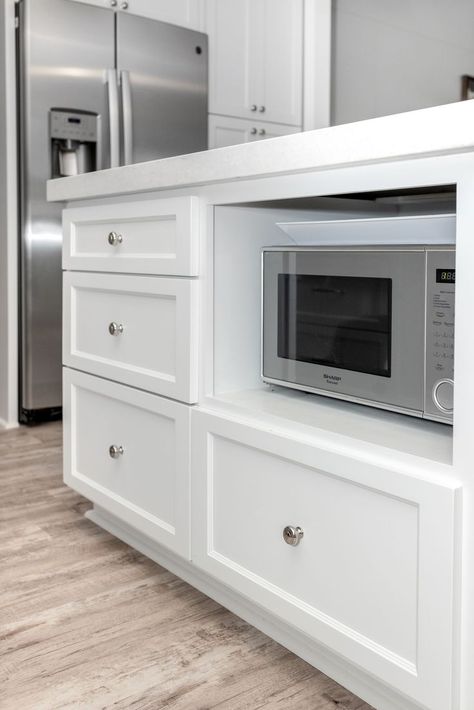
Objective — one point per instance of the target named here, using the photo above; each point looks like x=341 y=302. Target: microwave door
x=347 y=323
x=339 y=321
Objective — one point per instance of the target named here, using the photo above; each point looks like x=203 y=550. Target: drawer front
x=152 y=237
x=371 y=577
x=138 y=330
x=145 y=480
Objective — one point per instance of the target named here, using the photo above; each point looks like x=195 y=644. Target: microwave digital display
x=445 y=276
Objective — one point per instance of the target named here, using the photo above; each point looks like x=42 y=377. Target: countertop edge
x=438 y=130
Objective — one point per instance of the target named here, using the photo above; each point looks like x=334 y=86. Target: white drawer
x=151 y=237
x=156 y=326
x=372 y=578
x=146 y=486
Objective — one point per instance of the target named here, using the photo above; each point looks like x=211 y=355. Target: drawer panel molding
x=148 y=237
x=362 y=580
x=137 y=330
x=128 y=452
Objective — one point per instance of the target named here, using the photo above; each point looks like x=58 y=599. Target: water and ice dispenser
x=74 y=142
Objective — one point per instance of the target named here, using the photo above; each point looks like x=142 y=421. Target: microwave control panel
x=439 y=366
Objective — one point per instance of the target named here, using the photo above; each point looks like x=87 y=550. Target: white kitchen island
x=188 y=457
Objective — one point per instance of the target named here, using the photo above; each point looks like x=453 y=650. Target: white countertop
x=437 y=130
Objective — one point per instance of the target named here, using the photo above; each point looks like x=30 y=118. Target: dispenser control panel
x=439 y=374
x=79 y=126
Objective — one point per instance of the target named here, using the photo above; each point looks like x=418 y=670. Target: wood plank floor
x=87 y=622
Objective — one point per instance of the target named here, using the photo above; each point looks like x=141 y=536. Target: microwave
x=372 y=325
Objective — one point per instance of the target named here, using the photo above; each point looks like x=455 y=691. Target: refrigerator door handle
x=113 y=118
x=127 y=118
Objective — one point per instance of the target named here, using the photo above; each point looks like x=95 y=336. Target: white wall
x=398 y=55
x=8 y=241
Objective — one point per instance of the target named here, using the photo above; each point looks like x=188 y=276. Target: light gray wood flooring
x=86 y=622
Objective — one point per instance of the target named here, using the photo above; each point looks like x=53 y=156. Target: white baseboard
x=8 y=425
x=357 y=681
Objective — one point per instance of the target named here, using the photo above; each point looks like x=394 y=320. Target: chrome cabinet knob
x=115 y=328
x=124 y=6
x=262 y=132
x=292 y=535
x=253 y=132
x=253 y=107
x=113 y=3
x=115 y=451
x=262 y=109
x=114 y=239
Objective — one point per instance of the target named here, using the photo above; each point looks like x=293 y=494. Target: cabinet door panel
x=282 y=63
x=156 y=237
x=233 y=42
x=185 y=13
x=153 y=343
x=145 y=481
x=373 y=575
x=225 y=130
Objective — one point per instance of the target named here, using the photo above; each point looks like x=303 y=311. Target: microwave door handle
x=127 y=118
x=112 y=88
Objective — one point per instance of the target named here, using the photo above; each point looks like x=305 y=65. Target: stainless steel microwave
x=370 y=325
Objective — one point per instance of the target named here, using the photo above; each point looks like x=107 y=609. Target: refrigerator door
x=65 y=50
x=163 y=75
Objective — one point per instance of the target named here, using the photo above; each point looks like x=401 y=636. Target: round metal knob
x=443 y=395
x=124 y=6
x=253 y=107
x=253 y=131
x=292 y=535
x=113 y=3
x=262 y=132
x=115 y=451
x=262 y=109
x=115 y=328
x=114 y=239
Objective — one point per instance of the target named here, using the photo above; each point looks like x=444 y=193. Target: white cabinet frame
x=429 y=680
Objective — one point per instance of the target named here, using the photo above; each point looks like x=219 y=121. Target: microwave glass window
x=339 y=321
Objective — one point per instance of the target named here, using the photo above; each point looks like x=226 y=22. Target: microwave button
x=443 y=395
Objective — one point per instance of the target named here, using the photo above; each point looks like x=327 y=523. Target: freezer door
x=65 y=50
x=163 y=74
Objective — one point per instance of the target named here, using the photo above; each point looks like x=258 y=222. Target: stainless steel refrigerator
x=96 y=89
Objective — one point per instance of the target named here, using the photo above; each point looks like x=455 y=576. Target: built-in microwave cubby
x=240 y=231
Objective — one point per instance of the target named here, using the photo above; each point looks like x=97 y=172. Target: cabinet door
x=97 y=3
x=139 y=330
x=233 y=56
x=158 y=237
x=282 y=62
x=225 y=130
x=128 y=452
x=368 y=570
x=185 y=13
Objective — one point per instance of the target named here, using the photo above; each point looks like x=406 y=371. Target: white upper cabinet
x=185 y=13
x=282 y=61
x=233 y=41
x=256 y=59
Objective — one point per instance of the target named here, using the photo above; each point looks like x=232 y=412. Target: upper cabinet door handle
x=253 y=107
